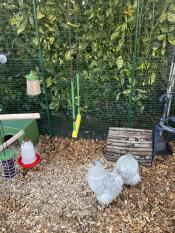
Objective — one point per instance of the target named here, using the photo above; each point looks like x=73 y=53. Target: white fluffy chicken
x=107 y=186
x=128 y=168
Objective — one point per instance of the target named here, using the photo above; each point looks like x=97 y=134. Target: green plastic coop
x=12 y=127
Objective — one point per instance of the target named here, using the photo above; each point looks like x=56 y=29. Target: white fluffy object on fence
x=128 y=168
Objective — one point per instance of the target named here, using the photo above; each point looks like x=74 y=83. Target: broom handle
x=11 y=140
x=23 y=116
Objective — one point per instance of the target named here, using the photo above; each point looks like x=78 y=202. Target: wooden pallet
x=137 y=142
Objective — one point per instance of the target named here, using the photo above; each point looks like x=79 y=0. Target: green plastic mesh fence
x=121 y=50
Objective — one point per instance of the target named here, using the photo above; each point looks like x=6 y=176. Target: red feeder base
x=31 y=165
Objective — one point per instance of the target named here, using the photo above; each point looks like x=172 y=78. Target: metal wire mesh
x=9 y=168
x=123 y=71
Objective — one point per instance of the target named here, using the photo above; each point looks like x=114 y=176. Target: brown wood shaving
x=55 y=197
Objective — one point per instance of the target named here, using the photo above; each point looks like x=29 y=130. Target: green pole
x=73 y=103
x=134 y=65
x=78 y=92
x=42 y=65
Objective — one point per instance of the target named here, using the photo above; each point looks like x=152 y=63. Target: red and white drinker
x=28 y=158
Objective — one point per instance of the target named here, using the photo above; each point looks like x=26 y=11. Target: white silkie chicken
x=107 y=186
x=128 y=168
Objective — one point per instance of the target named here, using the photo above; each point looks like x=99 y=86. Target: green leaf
x=68 y=55
x=126 y=92
x=49 y=82
x=35 y=41
x=31 y=20
x=22 y=26
x=52 y=18
x=167 y=28
x=91 y=16
x=171 y=39
x=124 y=27
x=163 y=17
x=40 y=15
x=114 y=35
x=21 y=2
x=152 y=78
x=171 y=17
x=118 y=96
x=119 y=62
x=72 y=24
x=120 y=45
x=16 y=20
x=51 y=40
x=161 y=37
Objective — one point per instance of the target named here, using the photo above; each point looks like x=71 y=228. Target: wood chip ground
x=55 y=197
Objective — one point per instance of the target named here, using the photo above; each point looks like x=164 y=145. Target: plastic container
x=28 y=152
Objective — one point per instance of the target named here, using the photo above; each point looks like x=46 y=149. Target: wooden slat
x=130 y=141
x=118 y=129
x=129 y=137
x=129 y=144
x=136 y=149
x=143 y=156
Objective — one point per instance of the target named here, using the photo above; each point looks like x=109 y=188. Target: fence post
x=40 y=54
x=134 y=65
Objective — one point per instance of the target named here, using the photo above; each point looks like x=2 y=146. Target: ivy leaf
x=119 y=62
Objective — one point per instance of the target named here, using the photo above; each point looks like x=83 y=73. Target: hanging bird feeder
x=7 y=158
x=33 y=84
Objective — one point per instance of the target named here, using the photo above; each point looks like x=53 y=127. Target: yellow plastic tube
x=77 y=126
